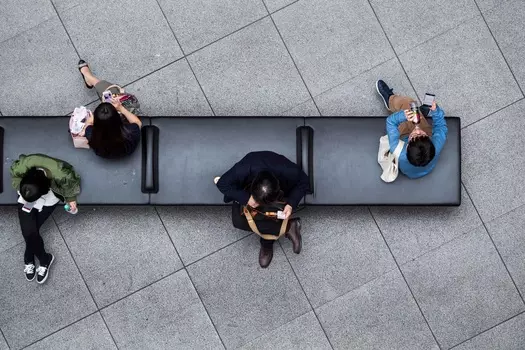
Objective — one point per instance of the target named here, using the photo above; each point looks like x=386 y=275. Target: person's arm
x=132 y=118
x=439 y=128
x=231 y=182
x=392 y=125
x=17 y=171
x=68 y=182
x=301 y=188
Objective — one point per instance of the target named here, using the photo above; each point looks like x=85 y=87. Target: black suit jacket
x=292 y=179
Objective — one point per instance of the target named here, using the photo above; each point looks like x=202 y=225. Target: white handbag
x=77 y=125
x=389 y=162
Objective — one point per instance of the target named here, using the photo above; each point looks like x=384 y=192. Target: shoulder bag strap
x=254 y=228
x=398 y=150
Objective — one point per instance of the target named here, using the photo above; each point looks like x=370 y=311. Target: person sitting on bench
x=41 y=182
x=262 y=178
x=423 y=144
x=107 y=133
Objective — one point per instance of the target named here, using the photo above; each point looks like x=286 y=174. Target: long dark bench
x=180 y=156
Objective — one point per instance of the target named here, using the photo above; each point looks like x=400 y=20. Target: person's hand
x=252 y=203
x=72 y=206
x=287 y=211
x=90 y=119
x=434 y=106
x=116 y=103
x=409 y=115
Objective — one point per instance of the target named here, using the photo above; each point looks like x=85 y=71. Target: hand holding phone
x=107 y=96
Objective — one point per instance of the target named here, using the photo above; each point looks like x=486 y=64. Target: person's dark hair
x=420 y=151
x=265 y=188
x=34 y=185
x=108 y=135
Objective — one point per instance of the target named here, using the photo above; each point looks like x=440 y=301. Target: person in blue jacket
x=423 y=144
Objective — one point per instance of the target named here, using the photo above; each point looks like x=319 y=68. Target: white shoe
x=216 y=179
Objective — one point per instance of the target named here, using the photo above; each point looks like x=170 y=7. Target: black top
x=292 y=179
x=132 y=139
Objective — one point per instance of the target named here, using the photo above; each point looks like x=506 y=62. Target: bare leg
x=88 y=76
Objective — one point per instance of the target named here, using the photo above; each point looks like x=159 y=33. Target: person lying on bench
x=41 y=182
x=423 y=144
x=262 y=178
x=107 y=133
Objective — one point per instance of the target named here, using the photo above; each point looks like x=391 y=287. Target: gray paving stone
x=331 y=41
x=413 y=231
x=245 y=301
x=275 y=5
x=249 y=73
x=63 y=5
x=410 y=23
x=493 y=165
x=507 y=232
x=466 y=71
x=143 y=43
x=510 y=34
x=200 y=22
x=304 y=332
x=305 y=109
x=10 y=228
x=35 y=79
x=463 y=288
x=17 y=16
x=506 y=336
x=89 y=333
x=342 y=250
x=199 y=231
x=487 y=5
x=358 y=96
x=119 y=250
x=172 y=91
x=379 y=315
x=3 y=344
x=31 y=311
x=166 y=315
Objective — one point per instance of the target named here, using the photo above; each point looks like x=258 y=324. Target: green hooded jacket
x=64 y=180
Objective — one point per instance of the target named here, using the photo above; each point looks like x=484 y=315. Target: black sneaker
x=384 y=91
x=29 y=270
x=42 y=272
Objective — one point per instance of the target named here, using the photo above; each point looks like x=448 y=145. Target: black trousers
x=265 y=226
x=30 y=224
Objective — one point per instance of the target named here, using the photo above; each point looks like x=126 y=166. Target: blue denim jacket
x=439 y=136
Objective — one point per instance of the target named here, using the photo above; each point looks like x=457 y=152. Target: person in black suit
x=263 y=178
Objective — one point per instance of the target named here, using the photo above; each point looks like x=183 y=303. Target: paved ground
x=176 y=278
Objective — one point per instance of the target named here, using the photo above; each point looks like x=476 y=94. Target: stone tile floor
x=368 y=278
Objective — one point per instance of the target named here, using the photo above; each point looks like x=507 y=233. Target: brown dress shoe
x=294 y=234
x=265 y=255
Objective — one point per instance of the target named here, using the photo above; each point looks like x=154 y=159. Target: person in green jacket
x=42 y=182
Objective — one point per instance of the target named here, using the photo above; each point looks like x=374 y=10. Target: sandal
x=82 y=64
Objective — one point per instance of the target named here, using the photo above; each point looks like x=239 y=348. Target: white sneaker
x=216 y=179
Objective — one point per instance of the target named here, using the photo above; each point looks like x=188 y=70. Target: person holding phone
x=42 y=182
x=113 y=131
x=423 y=142
x=263 y=178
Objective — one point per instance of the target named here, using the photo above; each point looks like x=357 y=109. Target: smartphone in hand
x=429 y=99
x=427 y=104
